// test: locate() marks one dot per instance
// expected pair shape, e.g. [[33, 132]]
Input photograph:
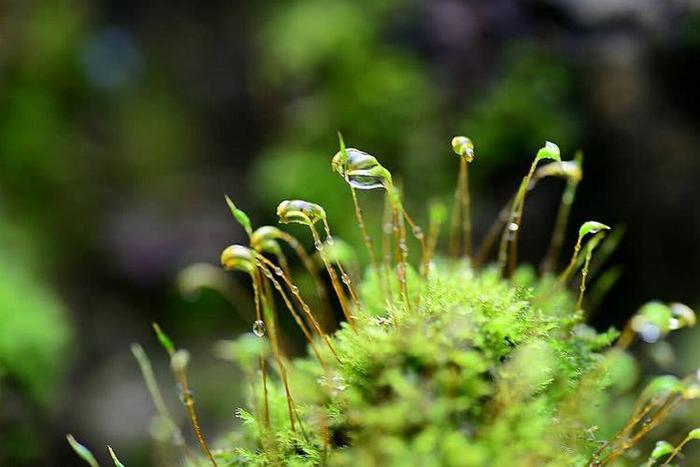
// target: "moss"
[[474, 375]]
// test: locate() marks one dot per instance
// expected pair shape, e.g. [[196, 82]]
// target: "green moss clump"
[[477, 374]]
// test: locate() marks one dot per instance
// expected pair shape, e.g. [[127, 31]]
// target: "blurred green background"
[[122, 124]]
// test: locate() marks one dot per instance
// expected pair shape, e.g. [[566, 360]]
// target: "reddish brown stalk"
[[261, 360], [292, 311], [311, 268], [466, 213], [368, 242], [188, 401], [492, 234], [304, 306], [340, 293], [270, 323], [457, 212]]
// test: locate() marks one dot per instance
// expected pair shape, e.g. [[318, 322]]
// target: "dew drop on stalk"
[[418, 232], [403, 247], [329, 240], [318, 245], [295, 289], [345, 278], [259, 328], [279, 271], [184, 395], [512, 230]]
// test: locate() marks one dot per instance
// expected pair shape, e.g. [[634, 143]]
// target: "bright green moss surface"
[[479, 373]]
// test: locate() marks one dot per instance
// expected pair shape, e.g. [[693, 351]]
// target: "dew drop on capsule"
[[259, 328], [650, 333]]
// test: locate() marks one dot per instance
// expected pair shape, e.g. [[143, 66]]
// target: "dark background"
[[122, 124]]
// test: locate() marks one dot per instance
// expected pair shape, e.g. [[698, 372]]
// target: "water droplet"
[[329, 240], [650, 333], [279, 272], [339, 383], [512, 229], [403, 247], [295, 289], [418, 232], [345, 278], [267, 273], [318, 245], [184, 395], [259, 328], [238, 413]]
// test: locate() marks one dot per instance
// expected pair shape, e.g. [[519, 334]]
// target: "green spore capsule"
[[464, 147], [264, 234], [570, 170], [683, 314], [361, 170], [238, 258], [662, 448], [300, 212]]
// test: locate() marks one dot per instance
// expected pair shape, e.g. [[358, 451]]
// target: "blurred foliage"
[[78, 119], [34, 338], [34, 323]]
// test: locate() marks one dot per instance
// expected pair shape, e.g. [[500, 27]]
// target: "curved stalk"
[[270, 323], [551, 258], [266, 264], [345, 277], [340, 293], [369, 244], [261, 359], [492, 234], [311, 268]]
